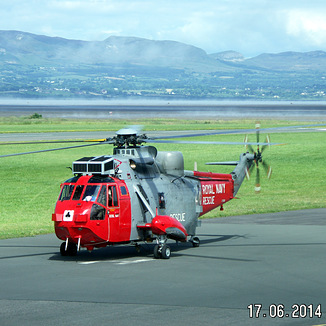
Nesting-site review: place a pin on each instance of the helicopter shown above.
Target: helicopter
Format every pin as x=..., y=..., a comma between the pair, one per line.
x=139, y=194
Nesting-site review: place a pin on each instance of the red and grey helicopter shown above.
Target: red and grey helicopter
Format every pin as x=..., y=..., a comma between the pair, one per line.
x=141, y=194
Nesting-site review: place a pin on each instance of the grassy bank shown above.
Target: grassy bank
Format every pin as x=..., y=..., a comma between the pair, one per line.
x=30, y=184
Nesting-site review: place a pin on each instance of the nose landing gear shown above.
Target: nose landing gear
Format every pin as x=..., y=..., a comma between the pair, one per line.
x=68, y=249
x=162, y=250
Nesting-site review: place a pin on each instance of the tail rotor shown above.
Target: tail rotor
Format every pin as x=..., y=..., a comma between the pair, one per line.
x=258, y=158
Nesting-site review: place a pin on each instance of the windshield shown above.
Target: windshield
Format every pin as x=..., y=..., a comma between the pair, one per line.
x=66, y=192
x=91, y=193
x=78, y=192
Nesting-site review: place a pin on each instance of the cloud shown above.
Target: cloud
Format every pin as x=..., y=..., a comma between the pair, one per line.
x=308, y=26
x=250, y=27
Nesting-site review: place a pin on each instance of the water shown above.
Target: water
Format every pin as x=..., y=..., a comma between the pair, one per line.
x=313, y=111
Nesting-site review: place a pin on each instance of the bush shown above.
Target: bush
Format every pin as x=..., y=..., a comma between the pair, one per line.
x=35, y=116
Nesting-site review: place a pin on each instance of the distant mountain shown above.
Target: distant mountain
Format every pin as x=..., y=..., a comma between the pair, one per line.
x=27, y=48
x=290, y=61
x=41, y=66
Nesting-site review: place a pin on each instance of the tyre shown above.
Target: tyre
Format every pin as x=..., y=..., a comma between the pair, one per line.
x=166, y=252
x=63, y=251
x=195, y=242
x=157, y=254
x=72, y=249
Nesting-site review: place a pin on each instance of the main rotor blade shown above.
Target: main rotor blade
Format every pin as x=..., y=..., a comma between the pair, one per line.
x=292, y=127
x=54, y=142
x=234, y=131
x=211, y=133
x=53, y=149
x=205, y=142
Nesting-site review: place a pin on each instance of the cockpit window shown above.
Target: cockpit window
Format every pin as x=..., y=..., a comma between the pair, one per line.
x=102, y=196
x=113, y=198
x=123, y=190
x=91, y=193
x=66, y=192
x=78, y=192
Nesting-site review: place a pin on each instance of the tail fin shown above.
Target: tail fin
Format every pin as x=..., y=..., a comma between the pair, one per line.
x=239, y=173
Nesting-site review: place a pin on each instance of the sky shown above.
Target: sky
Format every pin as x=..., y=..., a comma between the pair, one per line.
x=250, y=27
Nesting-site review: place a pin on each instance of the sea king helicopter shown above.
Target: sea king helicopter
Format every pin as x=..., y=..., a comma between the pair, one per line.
x=140, y=194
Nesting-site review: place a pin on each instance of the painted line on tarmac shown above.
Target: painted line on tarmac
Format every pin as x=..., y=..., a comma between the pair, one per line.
x=117, y=262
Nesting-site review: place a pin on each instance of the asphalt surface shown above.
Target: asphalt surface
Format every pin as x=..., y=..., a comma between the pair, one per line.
x=267, y=259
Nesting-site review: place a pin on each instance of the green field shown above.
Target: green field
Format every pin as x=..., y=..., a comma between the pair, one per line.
x=30, y=184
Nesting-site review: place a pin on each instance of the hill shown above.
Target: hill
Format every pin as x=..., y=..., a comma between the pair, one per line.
x=290, y=61
x=40, y=66
x=26, y=48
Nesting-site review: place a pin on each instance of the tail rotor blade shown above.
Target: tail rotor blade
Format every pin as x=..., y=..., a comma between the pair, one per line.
x=248, y=146
x=257, y=187
x=268, y=141
x=247, y=174
x=251, y=168
x=268, y=169
x=257, y=130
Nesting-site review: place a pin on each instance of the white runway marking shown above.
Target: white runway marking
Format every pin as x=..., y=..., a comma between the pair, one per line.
x=117, y=262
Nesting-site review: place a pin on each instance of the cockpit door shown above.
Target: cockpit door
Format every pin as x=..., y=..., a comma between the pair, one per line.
x=113, y=213
x=119, y=214
x=98, y=218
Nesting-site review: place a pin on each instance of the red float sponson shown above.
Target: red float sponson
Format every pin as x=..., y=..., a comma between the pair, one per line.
x=167, y=225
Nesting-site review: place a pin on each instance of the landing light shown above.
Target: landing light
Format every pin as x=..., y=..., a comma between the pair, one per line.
x=132, y=164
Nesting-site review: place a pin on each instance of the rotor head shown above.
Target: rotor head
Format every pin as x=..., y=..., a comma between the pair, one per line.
x=128, y=136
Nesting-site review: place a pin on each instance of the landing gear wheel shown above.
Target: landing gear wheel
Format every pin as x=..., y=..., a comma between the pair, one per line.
x=63, y=251
x=195, y=242
x=71, y=250
x=166, y=252
x=157, y=254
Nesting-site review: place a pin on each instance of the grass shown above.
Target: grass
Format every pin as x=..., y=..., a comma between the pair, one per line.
x=26, y=124
x=30, y=184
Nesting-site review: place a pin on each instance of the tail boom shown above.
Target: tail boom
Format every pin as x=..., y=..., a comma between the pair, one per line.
x=219, y=188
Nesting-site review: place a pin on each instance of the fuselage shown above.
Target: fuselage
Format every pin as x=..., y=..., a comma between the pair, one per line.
x=100, y=209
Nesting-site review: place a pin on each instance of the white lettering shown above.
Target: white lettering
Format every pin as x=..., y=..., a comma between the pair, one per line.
x=179, y=216
x=209, y=200
x=208, y=189
x=220, y=188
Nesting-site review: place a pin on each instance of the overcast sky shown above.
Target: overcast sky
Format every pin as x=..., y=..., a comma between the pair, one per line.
x=250, y=27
